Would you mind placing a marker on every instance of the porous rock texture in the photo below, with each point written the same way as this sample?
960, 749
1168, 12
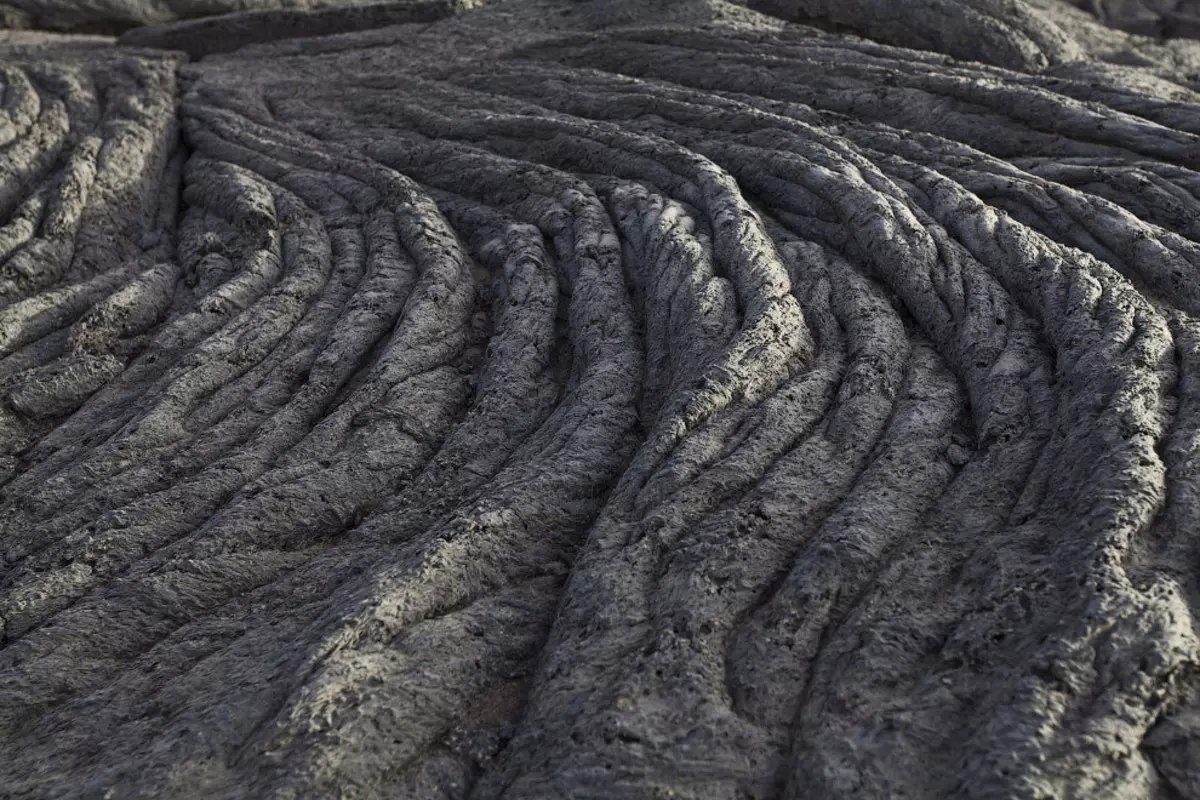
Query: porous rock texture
600, 399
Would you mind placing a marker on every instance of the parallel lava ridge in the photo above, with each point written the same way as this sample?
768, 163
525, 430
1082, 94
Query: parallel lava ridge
599, 399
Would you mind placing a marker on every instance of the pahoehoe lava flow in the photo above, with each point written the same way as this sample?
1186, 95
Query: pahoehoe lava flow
599, 399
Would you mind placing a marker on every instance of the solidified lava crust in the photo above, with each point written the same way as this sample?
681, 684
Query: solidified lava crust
599, 399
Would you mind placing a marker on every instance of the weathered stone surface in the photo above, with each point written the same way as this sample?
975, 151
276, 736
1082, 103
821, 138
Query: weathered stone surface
539, 399
114, 16
1149, 17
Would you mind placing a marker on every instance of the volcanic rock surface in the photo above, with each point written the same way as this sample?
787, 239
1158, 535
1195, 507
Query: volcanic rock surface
609, 399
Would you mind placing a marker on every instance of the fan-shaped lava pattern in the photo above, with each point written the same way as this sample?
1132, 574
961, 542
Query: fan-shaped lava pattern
531, 404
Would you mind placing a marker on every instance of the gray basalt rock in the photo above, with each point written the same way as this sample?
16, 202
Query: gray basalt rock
598, 399
1149, 17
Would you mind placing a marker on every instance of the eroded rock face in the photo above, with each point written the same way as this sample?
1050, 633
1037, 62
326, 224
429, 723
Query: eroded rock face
575, 399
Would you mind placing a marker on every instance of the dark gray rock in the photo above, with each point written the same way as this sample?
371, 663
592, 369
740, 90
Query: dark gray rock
593, 400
